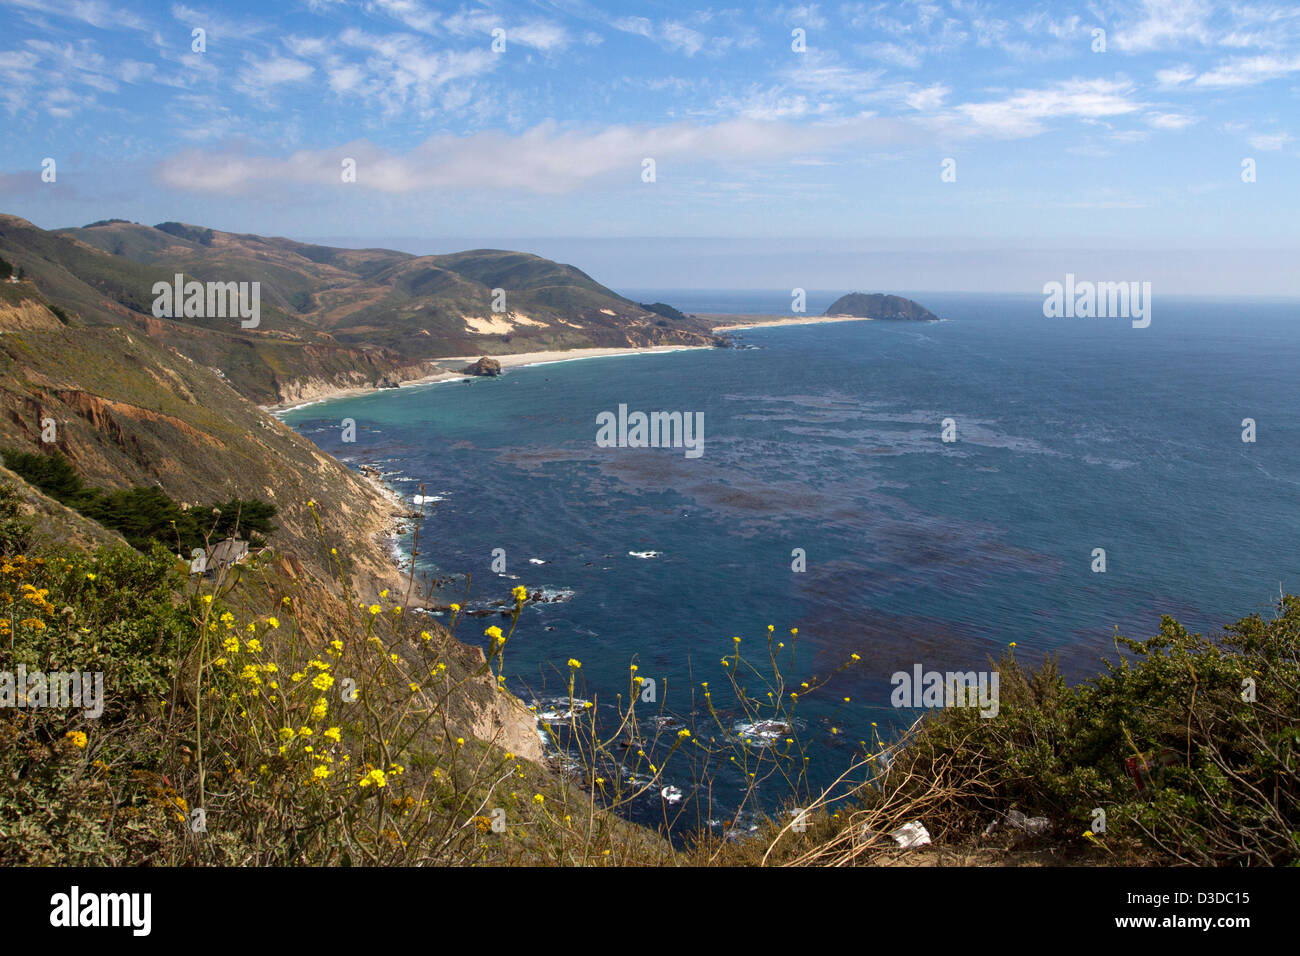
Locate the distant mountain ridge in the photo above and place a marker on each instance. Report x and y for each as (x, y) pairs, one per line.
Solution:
(331, 317)
(880, 306)
(479, 300)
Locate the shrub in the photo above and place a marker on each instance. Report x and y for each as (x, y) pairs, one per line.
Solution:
(143, 515)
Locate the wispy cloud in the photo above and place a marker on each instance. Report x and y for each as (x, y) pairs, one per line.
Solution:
(1025, 112)
(94, 13)
(1248, 71)
(543, 159)
(1165, 24)
(1269, 142)
(1170, 121)
(261, 76)
(676, 36)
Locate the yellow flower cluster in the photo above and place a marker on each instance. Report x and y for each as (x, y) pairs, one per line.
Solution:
(375, 778)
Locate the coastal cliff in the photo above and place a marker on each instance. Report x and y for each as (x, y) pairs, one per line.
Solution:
(127, 413)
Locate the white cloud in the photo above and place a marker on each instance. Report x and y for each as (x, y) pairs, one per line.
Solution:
(640, 26)
(1022, 114)
(1270, 141)
(1248, 71)
(770, 104)
(400, 71)
(928, 99)
(1170, 121)
(675, 36)
(218, 26)
(1165, 24)
(543, 35)
(95, 13)
(62, 79)
(345, 79)
(821, 74)
(543, 159)
(410, 13)
(679, 37)
(260, 76)
(307, 47)
(895, 54)
(804, 15)
(540, 35)
(1175, 76)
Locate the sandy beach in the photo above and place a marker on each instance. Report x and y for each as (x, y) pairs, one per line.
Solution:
(738, 322)
(449, 369)
(566, 355)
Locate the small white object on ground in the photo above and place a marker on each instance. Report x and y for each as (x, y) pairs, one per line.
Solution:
(911, 834)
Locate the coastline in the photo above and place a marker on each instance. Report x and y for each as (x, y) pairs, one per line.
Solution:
(765, 321)
(511, 360)
(401, 511)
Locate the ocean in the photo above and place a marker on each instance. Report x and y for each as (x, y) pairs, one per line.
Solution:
(1071, 435)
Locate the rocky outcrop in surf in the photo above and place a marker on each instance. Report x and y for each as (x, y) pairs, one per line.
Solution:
(484, 366)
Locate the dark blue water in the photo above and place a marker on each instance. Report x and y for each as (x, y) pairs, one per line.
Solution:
(1072, 434)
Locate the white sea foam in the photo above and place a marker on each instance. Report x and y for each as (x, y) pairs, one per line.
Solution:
(764, 733)
(557, 710)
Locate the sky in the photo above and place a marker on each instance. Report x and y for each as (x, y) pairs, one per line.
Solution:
(947, 145)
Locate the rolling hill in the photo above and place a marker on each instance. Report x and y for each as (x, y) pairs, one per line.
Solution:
(331, 317)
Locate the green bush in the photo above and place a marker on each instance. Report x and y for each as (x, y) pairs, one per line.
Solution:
(144, 515)
(1188, 744)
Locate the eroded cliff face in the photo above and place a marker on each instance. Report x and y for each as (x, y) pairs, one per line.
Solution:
(26, 314)
(498, 716)
(311, 388)
(129, 413)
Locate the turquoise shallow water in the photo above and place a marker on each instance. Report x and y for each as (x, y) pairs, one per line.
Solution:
(1073, 434)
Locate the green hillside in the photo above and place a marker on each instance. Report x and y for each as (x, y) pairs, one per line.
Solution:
(417, 307)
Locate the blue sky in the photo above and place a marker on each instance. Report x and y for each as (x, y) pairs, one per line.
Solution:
(1066, 157)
